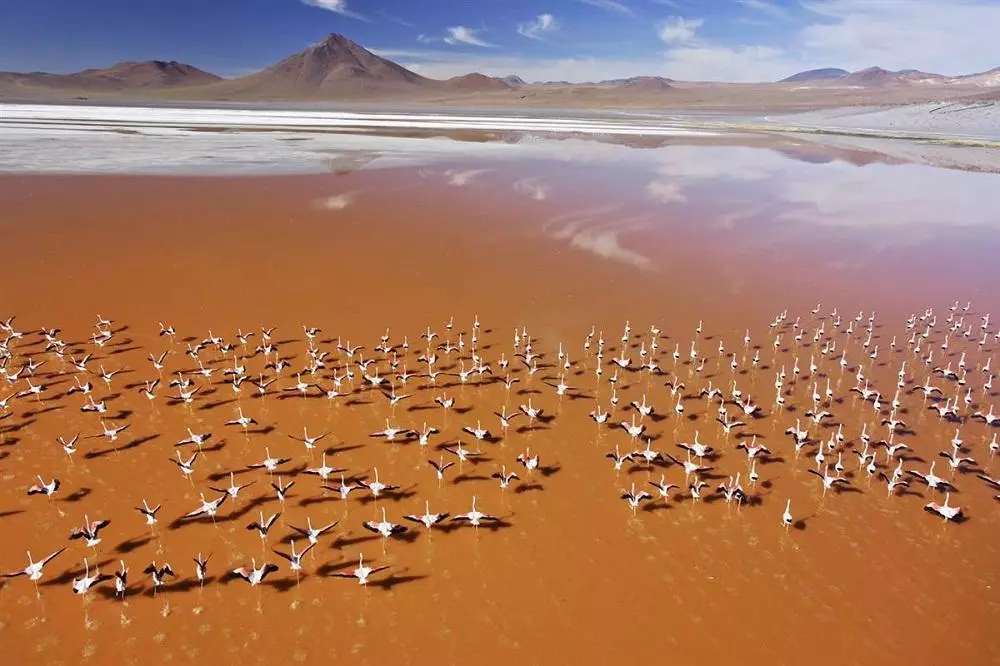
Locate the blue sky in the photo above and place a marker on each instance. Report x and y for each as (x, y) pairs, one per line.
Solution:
(577, 40)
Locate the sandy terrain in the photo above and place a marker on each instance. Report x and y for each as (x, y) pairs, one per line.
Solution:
(571, 573)
(939, 154)
(977, 120)
(689, 97)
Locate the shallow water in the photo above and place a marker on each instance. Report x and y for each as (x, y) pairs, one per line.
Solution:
(673, 236)
(267, 141)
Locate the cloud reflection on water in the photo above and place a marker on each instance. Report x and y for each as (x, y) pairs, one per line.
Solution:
(531, 188)
(463, 178)
(796, 180)
(666, 191)
(596, 230)
(834, 193)
(613, 190)
(335, 203)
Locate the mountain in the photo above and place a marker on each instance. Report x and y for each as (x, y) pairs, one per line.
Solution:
(146, 75)
(872, 77)
(824, 74)
(876, 76)
(476, 82)
(988, 79)
(639, 81)
(338, 68)
(645, 83)
(334, 65)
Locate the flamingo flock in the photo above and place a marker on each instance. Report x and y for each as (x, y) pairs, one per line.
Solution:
(743, 395)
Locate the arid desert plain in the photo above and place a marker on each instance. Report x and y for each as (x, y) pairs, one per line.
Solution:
(745, 381)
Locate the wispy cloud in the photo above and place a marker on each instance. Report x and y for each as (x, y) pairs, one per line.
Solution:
(609, 5)
(459, 34)
(690, 61)
(765, 7)
(440, 64)
(717, 62)
(943, 36)
(534, 29)
(396, 19)
(948, 36)
(679, 29)
(337, 6)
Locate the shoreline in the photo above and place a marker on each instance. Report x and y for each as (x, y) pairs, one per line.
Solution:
(124, 139)
(974, 120)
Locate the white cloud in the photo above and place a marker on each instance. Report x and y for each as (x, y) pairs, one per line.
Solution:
(338, 6)
(609, 5)
(742, 64)
(945, 36)
(459, 34)
(396, 19)
(765, 7)
(679, 29)
(534, 29)
(443, 65)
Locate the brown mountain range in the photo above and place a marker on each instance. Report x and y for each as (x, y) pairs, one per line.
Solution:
(337, 68)
(878, 77)
(148, 75)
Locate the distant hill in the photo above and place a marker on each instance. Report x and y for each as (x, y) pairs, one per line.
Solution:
(645, 83)
(824, 74)
(876, 76)
(477, 82)
(146, 75)
(639, 81)
(513, 80)
(871, 77)
(988, 79)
